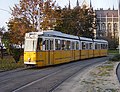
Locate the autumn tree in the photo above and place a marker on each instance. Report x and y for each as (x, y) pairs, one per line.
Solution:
(17, 29)
(49, 15)
(31, 15)
(65, 22)
(29, 10)
(35, 11)
(77, 21)
(27, 16)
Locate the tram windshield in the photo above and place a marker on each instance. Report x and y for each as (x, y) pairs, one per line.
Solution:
(30, 44)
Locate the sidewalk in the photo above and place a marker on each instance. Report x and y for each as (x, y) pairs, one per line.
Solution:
(101, 78)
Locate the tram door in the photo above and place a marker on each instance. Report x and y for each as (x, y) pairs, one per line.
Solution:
(49, 54)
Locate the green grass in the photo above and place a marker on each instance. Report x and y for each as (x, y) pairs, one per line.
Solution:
(113, 51)
(8, 63)
(116, 57)
(105, 70)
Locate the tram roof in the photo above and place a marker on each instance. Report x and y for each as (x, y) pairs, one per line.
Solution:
(63, 35)
(60, 34)
(100, 40)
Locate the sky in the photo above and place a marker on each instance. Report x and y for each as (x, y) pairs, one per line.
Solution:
(97, 4)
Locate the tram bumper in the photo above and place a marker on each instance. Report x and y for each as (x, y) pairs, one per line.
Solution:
(30, 63)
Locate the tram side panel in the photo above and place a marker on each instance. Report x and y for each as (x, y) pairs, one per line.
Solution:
(57, 56)
(84, 54)
(51, 57)
(90, 53)
(67, 55)
(42, 58)
(62, 56)
(103, 50)
(96, 53)
(77, 54)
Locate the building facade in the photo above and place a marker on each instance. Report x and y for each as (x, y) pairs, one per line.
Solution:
(107, 23)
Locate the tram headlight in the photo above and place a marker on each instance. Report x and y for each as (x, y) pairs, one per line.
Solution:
(29, 59)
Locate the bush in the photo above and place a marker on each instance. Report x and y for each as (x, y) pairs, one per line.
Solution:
(115, 58)
(16, 53)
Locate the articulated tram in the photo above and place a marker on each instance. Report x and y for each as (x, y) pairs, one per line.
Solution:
(52, 47)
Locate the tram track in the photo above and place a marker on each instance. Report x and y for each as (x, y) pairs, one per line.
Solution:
(42, 78)
(78, 71)
(40, 72)
(4, 73)
(55, 74)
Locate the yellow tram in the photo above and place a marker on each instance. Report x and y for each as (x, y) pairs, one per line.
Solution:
(52, 47)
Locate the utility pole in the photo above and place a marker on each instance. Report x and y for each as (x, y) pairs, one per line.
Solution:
(119, 23)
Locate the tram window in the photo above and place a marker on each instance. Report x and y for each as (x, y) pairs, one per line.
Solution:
(101, 46)
(62, 45)
(73, 45)
(68, 45)
(90, 45)
(87, 46)
(83, 46)
(39, 44)
(96, 46)
(106, 46)
(30, 44)
(51, 45)
(57, 44)
(77, 45)
(46, 44)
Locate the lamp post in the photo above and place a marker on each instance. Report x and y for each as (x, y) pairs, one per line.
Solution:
(119, 23)
(119, 34)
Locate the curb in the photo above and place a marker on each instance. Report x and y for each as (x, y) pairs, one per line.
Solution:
(117, 73)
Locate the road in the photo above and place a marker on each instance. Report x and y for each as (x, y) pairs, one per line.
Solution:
(45, 79)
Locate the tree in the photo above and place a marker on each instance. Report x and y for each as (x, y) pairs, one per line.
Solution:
(2, 30)
(35, 11)
(17, 29)
(27, 16)
(49, 15)
(77, 21)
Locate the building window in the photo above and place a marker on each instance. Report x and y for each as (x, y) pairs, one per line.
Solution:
(98, 26)
(103, 26)
(115, 29)
(115, 26)
(109, 27)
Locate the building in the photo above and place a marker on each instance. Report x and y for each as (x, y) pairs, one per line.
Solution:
(107, 23)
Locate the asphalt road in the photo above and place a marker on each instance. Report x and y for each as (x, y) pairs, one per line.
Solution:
(43, 80)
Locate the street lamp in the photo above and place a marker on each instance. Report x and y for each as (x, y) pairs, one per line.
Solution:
(119, 23)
